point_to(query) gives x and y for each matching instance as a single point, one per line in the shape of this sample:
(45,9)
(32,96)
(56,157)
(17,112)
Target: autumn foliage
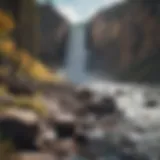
(6,22)
(27,65)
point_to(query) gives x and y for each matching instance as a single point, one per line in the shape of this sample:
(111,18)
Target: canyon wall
(54,34)
(125,36)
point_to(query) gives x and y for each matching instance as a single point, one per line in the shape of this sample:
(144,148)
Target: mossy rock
(34,104)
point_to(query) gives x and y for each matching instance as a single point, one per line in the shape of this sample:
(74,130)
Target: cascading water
(76,56)
(75,67)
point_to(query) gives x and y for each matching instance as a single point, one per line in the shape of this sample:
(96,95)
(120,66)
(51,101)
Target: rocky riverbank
(119,122)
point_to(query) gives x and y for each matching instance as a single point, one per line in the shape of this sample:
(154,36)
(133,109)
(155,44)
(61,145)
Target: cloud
(81,10)
(69,12)
(109,3)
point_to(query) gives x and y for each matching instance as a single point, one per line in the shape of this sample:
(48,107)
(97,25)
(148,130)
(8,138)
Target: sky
(80,10)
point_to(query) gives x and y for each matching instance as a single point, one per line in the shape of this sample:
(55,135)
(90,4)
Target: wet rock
(110,105)
(21,87)
(126,145)
(151,103)
(127,142)
(132,156)
(65,148)
(33,156)
(22,135)
(68,103)
(119,92)
(84,95)
(80,139)
(6,100)
(105,106)
(25,116)
(26,130)
(65,117)
(64,130)
(47,136)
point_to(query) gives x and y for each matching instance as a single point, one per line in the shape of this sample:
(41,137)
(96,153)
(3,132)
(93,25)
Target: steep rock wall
(54,33)
(125,35)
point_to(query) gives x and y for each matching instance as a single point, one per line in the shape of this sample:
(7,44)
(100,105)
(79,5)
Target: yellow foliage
(25,58)
(40,72)
(35,69)
(7,46)
(3,90)
(6,22)
(34,103)
(29,103)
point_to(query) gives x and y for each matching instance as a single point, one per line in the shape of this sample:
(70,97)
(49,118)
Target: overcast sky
(79,10)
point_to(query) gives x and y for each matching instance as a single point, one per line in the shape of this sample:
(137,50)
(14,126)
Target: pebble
(151,104)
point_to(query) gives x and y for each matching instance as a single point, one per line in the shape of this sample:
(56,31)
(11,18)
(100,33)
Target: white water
(76,56)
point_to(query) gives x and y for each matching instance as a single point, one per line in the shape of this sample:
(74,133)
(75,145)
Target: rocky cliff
(54,32)
(125,35)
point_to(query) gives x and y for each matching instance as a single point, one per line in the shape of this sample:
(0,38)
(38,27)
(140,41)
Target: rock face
(54,33)
(126,35)
(22,135)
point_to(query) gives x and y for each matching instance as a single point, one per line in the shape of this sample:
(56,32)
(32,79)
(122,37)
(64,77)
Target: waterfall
(76,55)
(75,65)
